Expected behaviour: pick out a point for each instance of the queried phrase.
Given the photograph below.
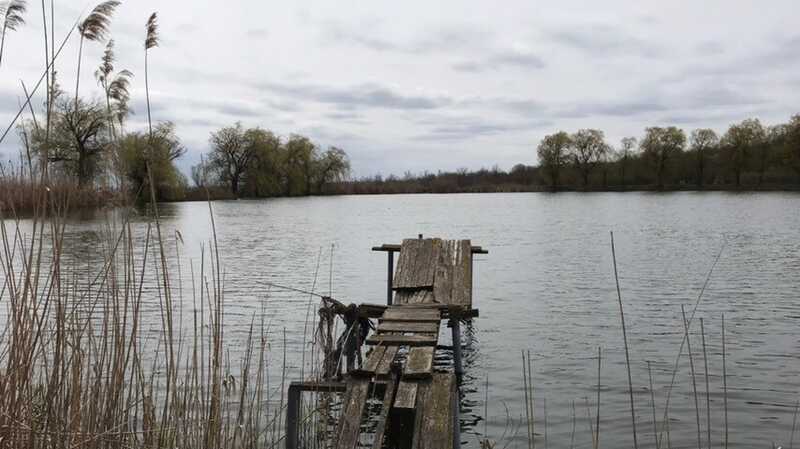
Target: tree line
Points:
(254, 162)
(82, 143)
(748, 155)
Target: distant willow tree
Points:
(553, 154)
(159, 150)
(588, 148)
(232, 151)
(625, 155)
(738, 144)
(703, 142)
(333, 166)
(659, 146)
(78, 141)
(792, 143)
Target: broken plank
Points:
(406, 397)
(462, 275)
(411, 314)
(443, 277)
(419, 363)
(353, 408)
(409, 326)
(403, 340)
(371, 365)
(388, 400)
(385, 365)
(436, 425)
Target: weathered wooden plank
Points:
(462, 274)
(443, 278)
(411, 314)
(353, 408)
(419, 363)
(406, 398)
(403, 340)
(388, 400)
(409, 326)
(416, 267)
(371, 365)
(385, 365)
(406, 263)
(436, 425)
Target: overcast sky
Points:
(433, 84)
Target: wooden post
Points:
(292, 415)
(455, 325)
(456, 418)
(389, 278)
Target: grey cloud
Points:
(364, 95)
(610, 108)
(502, 59)
(470, 128)
(368, 35)
(602, 39)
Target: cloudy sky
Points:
(418, 85)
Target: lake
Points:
(547, 285)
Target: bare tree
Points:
(232, 151)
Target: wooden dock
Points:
(431, 285)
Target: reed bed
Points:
(101, 356)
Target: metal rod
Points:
(455, 325)
(389, 278)
(292, 412)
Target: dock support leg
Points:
(389, 278)
(456, 419)
(292, 416)
(455, 325)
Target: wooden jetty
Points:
(431, 284)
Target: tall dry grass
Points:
(82, 365)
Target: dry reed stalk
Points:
(708, 390)
(683, 334)
(625, 340)
(653, 404)
(691, 367)
(794, 423)
(597, 425)
(724, 382)
(527, 409)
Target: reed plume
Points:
(12, 18)
(150, 41)
(94, 29)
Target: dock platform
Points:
(419, 404)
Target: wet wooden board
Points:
(388, 400)
(419, 363)
(402, 297)
(401, 313)
(371, 365)
(403, 340)
(385, 365)
(434, 426)
(462, 274)
(353, 408)
(409, 326)
(415, 268)
(453, 274)
(406, 397)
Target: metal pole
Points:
(292, 405)
(455, 325)
(389, 278)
